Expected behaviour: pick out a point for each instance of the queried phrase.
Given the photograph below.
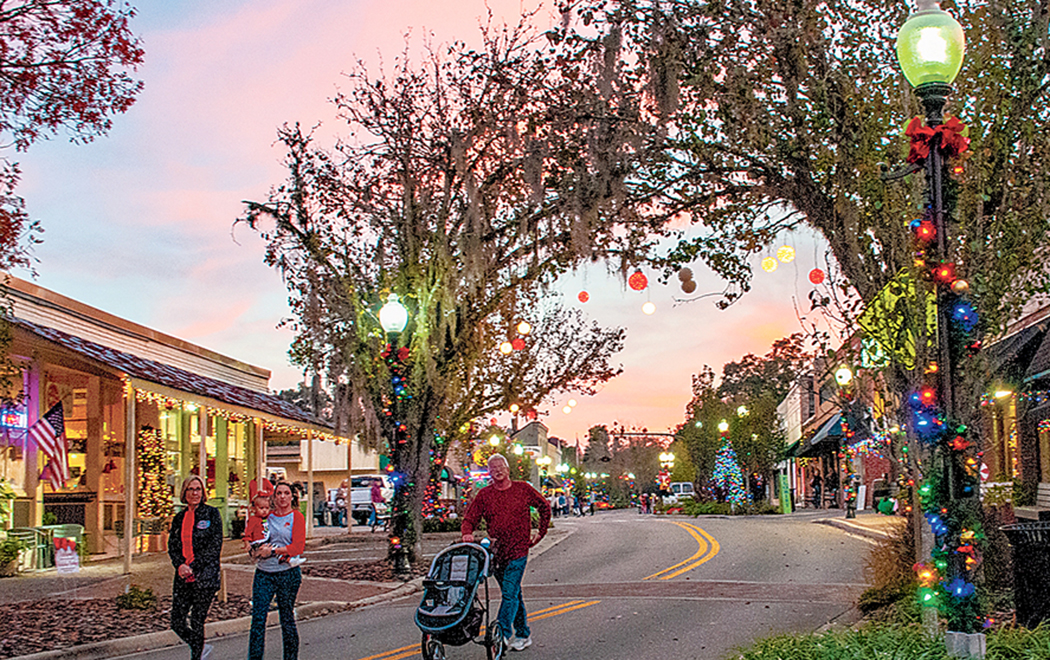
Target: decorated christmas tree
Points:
(727, 474)
(154, 500)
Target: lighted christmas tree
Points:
(727, 474)
(154, 500)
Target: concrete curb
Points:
(854, 528)
(165, 638)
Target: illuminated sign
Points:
(12, 419)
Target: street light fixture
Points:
(723, 426)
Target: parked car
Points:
(361, 497)
(680, 490)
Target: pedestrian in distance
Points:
(194, 546)
(816, 485)
(505, 506)
(278, 575)
(376, 497)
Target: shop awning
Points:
(1011, 358)
(825, 439)
(1039, 367)
(137, 368)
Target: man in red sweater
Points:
(504, 506)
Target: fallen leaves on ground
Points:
(47, 625)
(376, 571)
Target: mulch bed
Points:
(375, 571)
(46, 625)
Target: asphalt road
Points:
(627, 586)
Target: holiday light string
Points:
(1043, 426)
(1037, 397)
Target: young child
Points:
(256, 530)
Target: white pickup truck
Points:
(361, 497)
(680, 490)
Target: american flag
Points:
(49, 433)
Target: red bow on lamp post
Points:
(953, 142)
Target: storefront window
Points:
(1044, 450)
(169, 428)
(13, 447)
(70, 388)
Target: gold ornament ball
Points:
(685, 274)
(689, 286)
(960, 286)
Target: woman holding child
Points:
(277, 574)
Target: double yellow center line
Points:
(414, 649)
(708, 549)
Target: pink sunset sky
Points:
(139, 223)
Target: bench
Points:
(1041, 510)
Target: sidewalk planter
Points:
(965, 645)
(9, 568)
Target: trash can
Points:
(1031, 555)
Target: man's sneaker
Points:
(520, 643)
(206, 653)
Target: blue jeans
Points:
(285, 585)
(512, 606)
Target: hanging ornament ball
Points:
(506, 348)
(493, 421)
(685, 274)
(769, 264)
(583, 296)
(689, 286)
(816, 276)
(786, 254)
(517, 344)
(960, 286)
(649, 307)
(566, 410)
(524, 328)
(638, 281)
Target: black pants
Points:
(190, 601)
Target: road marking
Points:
(708, 549)
(415, 649)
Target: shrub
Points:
(888, 569)
(137, 598)
(435, 525)
(9, 549)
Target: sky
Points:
(140, 222)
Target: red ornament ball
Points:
(638, 281)
(584, 296)
(517, 344)
(816, 276)
(493, 421)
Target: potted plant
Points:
(9, 549)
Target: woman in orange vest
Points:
(194, 545)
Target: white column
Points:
(310, 485)
(129, 478)
(260, 451)
(202, 433)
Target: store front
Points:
(141, 411)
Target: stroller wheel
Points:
(432, 649)
(494, 641)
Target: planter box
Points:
(965, 645)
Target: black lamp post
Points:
(930, 49)
(394, 317)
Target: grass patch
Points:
(894, 642)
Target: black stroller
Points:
(451, 611)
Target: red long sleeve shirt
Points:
(506, 512)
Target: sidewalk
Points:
(868, 524)
(317, 596)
